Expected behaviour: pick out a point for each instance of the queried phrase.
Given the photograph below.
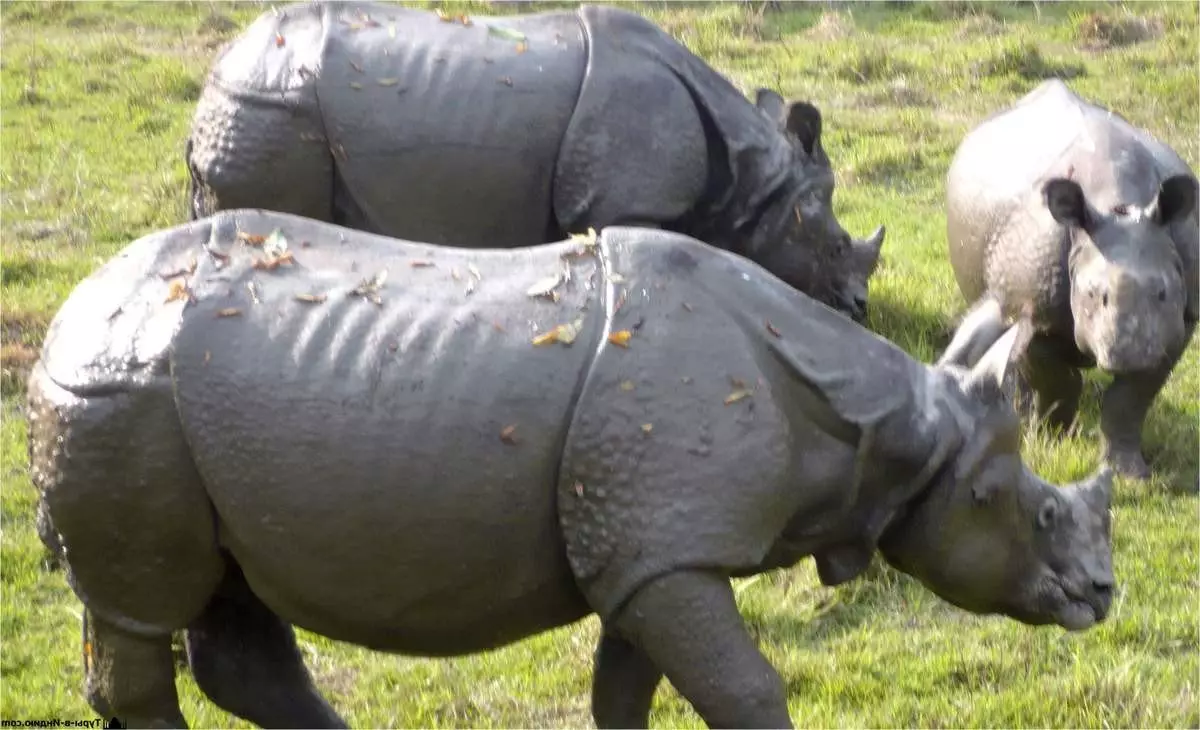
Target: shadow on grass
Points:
(876, 592)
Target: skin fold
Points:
(479, 446)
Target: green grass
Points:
(96, 99)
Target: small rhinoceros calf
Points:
(510, 131)
(1061, 207)
(478, 446)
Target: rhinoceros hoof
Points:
(1128, 463)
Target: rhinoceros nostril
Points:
(1162, 295)
(1104, 300)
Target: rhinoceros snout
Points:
(1128, 320)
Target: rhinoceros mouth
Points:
(1076, 611)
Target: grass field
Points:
(95, 102)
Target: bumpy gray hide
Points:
(395, 121)
(1061, 207)
(478, 446)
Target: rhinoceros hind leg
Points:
(130, 677)
(245, 659)
(624, 684)
(688, 624)
(1050, 386)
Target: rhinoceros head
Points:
(810, 250)
(989, 535)
(1128, 296)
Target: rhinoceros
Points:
(437, 451)
(495, 132)
(1091, 224)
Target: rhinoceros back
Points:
(445, 132)
(386, 448)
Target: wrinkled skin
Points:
(402, 468)
(358, 118)
(1091, 225)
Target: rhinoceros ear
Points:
(1066, 202)
(804, 121)
(771, 104)
(1175, 201)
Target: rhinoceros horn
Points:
(1096, 490)
(866, 252)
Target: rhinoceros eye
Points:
(1121, 209)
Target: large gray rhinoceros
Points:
(1062, 207)
(393, 121)
(478, 446)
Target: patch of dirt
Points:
(975, 26)
(831, 26)
(898, 94)
(21, 335)
(1098, 32)
(218, 23)
(1025, 59)
(872, 64)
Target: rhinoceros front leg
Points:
(1049, 385)
(128, 676)
(1123, 415)
(689, 626)
(623, 685)
(246, 660)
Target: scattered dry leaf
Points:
(250, 287)
(474, 271)
(276, 244)
(311, 298)
(563, 333)
(356, 67)
(498, 327)
(178, 290)
(627, 385)
(522, 47)
(391, 30)
(388, 82)
(773, 330)
(647, 427)
(466, 21)
(620, 338)
(616, 278)
(443, 17)
(273, 262)
(421, 264)
(506, 80)
(545, 288)
(369, 288)
(454, 274)
(687, 306)
(355, 85)
(737, 395)
(279, 40)
(587, 239)
(229, 312)
(507, 434)
(251, 239)
(578, 489)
